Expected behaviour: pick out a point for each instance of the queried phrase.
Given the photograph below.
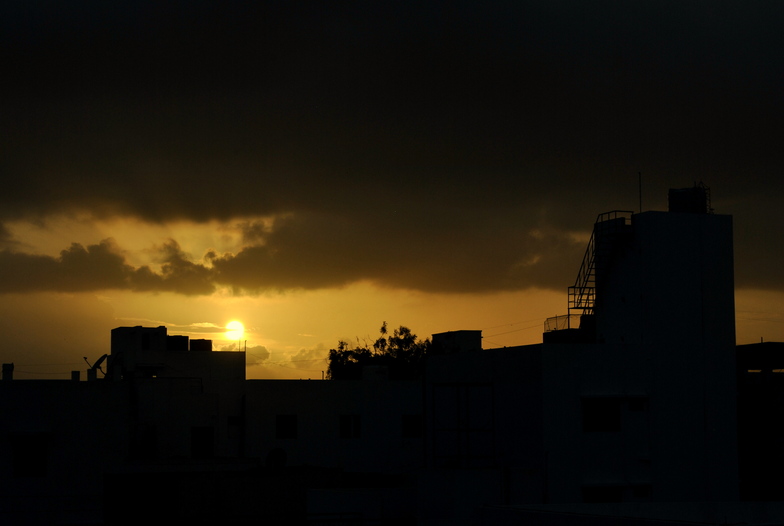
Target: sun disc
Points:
(234, 330)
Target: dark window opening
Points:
(350, 426)
(601, 415)
(286, 426)
(463, 428)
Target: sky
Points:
(313, 169)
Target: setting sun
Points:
(234, 330)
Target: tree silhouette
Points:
(401, 353)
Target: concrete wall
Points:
(672, 281)
(664, 440)
(669, 290)
(372, 409)
(484, 432)
(57, 438)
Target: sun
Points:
(234, 330)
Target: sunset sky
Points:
(313, 169)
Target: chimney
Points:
(8, 371)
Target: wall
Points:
(354, 424)
(670, 290)
(57, 437)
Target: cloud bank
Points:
(439, 148)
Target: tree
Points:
(401, 353)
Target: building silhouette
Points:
(629, 408)
(760, 369)
(631, 395)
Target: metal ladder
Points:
(582, 295)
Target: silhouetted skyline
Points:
(634, 406)
(432, 165)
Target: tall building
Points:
(631, 395)
(662, 319)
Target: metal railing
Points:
(564, 321)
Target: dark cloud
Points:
(309, 253)
(335, 250)
(100, 267)
(76, 269)
(418, 145)
(6, 239)
(257, 354)
(180, 274)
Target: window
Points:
(350, 426)
(463, 425)
(286, 426)
(601, 415)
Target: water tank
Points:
(176, 343)
(695, 200)
(201, 345)
(457, 341)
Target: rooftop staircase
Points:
(608, 229)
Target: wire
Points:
(510, 324)
(16, 371)
(281, 364)
(516, 330)
(292, 361)
(47, 364)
